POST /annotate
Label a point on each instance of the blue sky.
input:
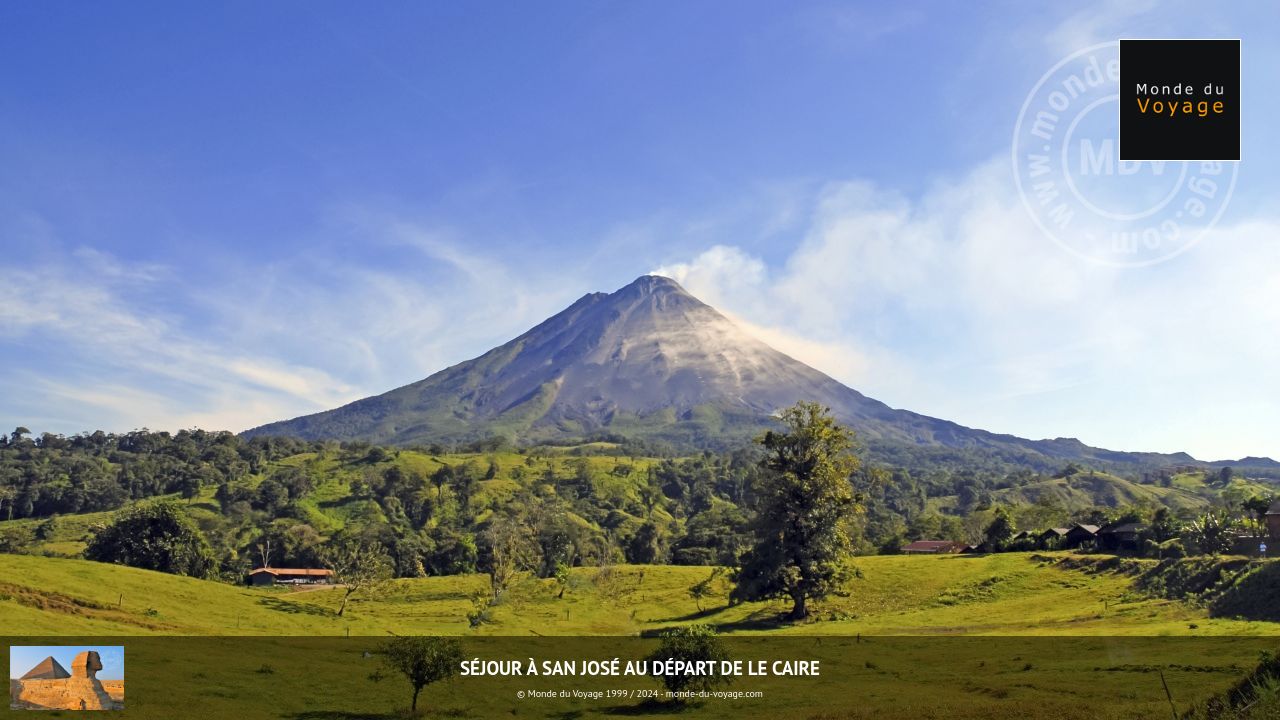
(24, 657)
(232, 214)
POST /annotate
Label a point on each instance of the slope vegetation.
(1010, 594)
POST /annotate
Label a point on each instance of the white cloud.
(952, 304)
(956, 305)
(88, 317)
(111, 344)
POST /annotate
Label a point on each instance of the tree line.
(709, 509)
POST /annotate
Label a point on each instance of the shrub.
(1174, 548)
(153, 536)
(692, 643)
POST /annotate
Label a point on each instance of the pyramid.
(47, 669)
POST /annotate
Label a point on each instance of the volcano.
(652, 362)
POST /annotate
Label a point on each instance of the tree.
(508, 550)
(1257, 507)
(1225, 475)
(153, 536)
(423, 660)
(441, 477)
(649, 545)
(1211, 533)
(702, 588)
(998, 534)
(1164, 526)
(7, 495)
(289, 543)
(359, 566)
(691, 643)
(651, 497)
(805, 503)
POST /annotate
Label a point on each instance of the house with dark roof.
(1080, 534)
(934, 547)
(1121, 536)
(1052, 538)
(1273, 520)
(290, 576)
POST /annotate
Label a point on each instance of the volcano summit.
(649, 361)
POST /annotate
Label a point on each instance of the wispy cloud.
(119, 345)
(90, 319)
(956, 305)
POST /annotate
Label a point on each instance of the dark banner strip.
(305, 678)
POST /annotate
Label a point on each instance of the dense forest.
(439, 510)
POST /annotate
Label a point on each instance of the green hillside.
(333, 501)
(1087, 488)
(420, 504)
(1008, 594)
(1111, 632)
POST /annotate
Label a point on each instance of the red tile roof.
(931, 545)
(292, 571)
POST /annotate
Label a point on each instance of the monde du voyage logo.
(1124, 152)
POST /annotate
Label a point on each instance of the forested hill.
(431, 508)
(53, 474)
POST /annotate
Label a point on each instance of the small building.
(1124, 536)
(1273, 520)
(1052, 538)
(290, 576)
(1079, 535)
(934, 547)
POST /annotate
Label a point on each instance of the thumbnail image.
(39, 678)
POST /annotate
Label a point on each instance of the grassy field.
(1013, 635)
(1028, 635)
(1008, 594)
(895, 678)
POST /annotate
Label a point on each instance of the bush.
(1251, 594)
(1150, 548)
(1174, 548)
(691, 643)
(153, 536)
(1169, 549)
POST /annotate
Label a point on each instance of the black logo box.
(1155, 74)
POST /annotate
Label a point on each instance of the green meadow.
(1035, 635)
(1003, 594)
(1009, 635)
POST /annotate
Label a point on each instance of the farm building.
(1124, 536)
(290, 576)
(1079, 535)
(1051, 538)
(934, 547)
(1273, 520)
